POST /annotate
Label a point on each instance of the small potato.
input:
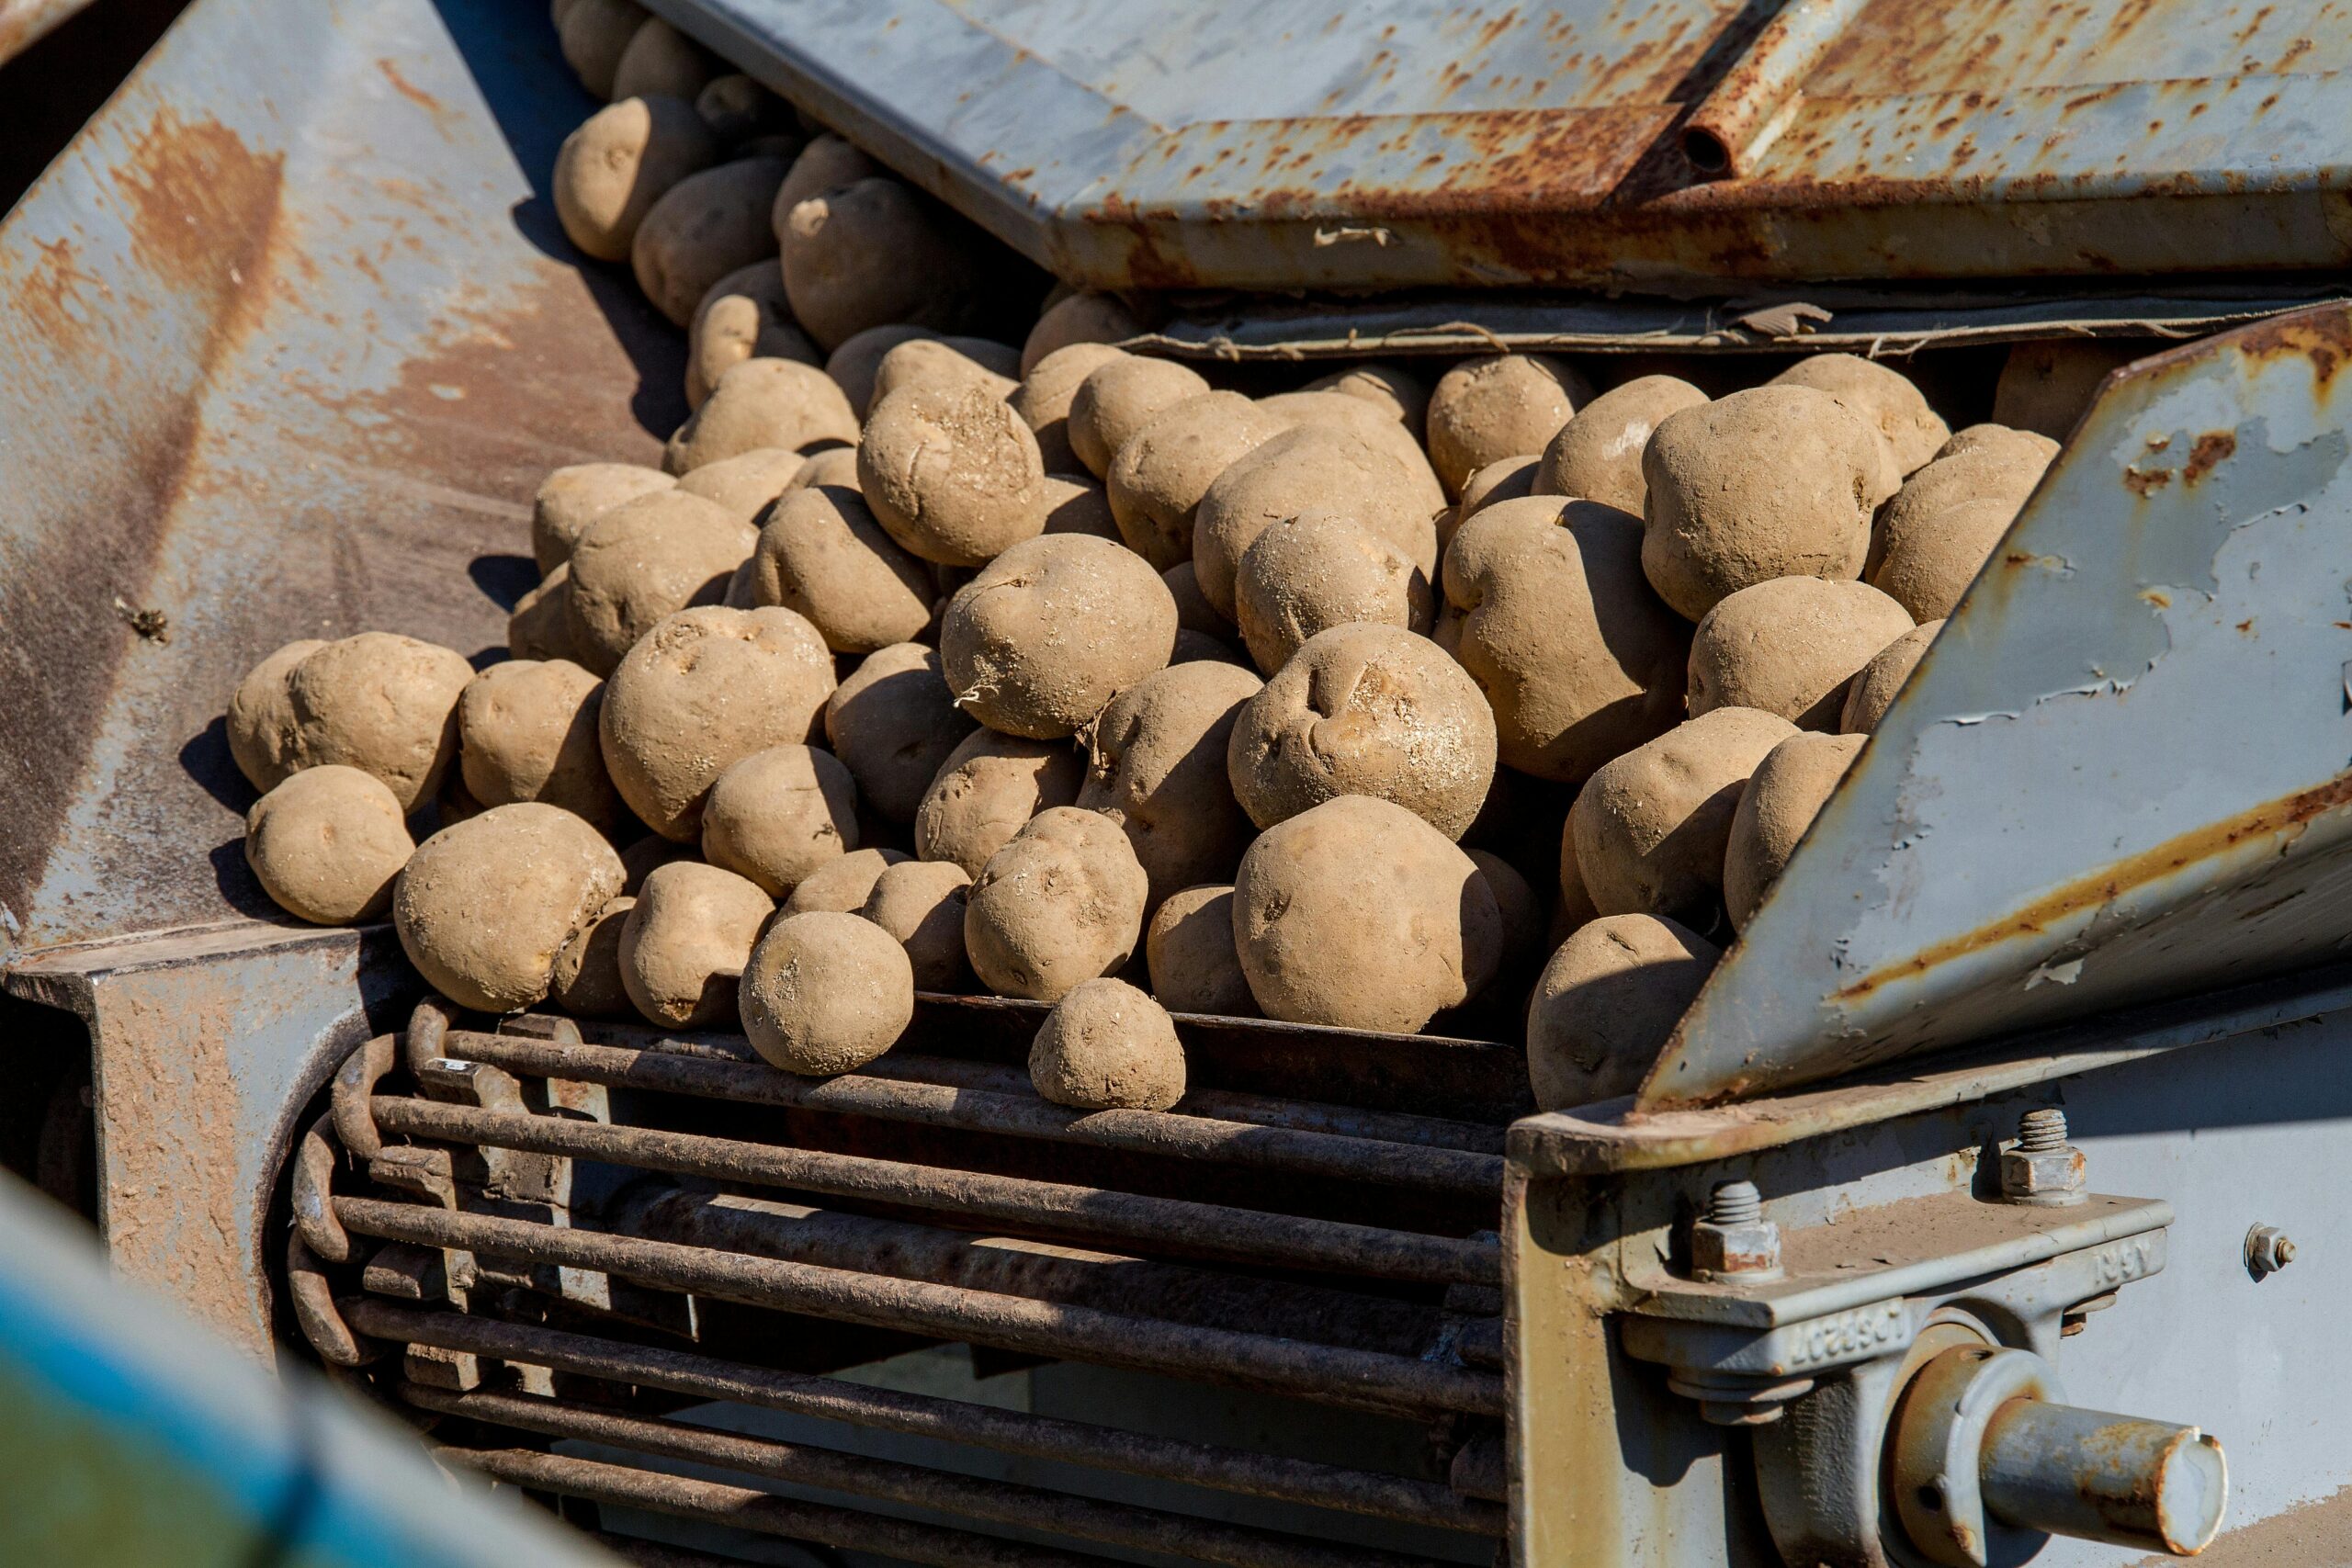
(921, 904)
(1782, 797)
(1190, 952)
(2046, 387)
(1789, 646)
(483, 907)
(842, 886)
(987, 788)
(1575, 907)
(539, 626)
(749, 483)
(1504, 405)
(587, 979)
(893, 723)
(874, 252)
(594, 35)
(640, 860)
(383, 704)
(326, 843)
(1075, 504)
(1046, 389)
(704, 687)
(2025, 444)
(1118, 398)
(1400, 395)
(661, 62)
(1156, 766)
(1775, 481)
(261, 724)
(1358, 914)
(1311, 467)
(1306, 574)
(1075, 319)
(705, 227)
(645, 559)
(1598, 454)
(1873, 691)
(738, 109)
(952, 473)
(526, 730)
(776, 815)
(827, 164)
(1107, 1046)
(1650, 828)
(1928, 568)
(1042, 638)
(1158, 476)
(822, 553)
(1884, 398)
(1193, 612)
(858, 360)
(762, 403)
(684, 943)
(1354, 416)
(1062, 902)
(570, 497)
(1512, 479)
(1607, 1004)
(625, 158)
(743, 316)
(941, 362)
(825, 993)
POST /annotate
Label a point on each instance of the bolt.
(1733, 1239)
(2043, 1170)
(1735, 1204)
(2267, 1250)
(2039, 1132)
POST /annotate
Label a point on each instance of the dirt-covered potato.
(1606, 1005)
(709, 224)
(825, 993)
(1509, 479)
(539, 626)
(2026, 443)
(1194, 611)
(1873, 691)
(1107, 1046)
(1046, 391)
(1074, 319)
(1784, 795)
(1504, 405)
(326, 843)
(704, 687)
(893, 723)
(1158, 476)
(1354, 416)
(952, 473)
(987, 788)
(843, 884)
(587, 978)
(1650, 828)
(762, 403)
(1306, 574)
(1075, 504)
(1928, 567)
(645, 559)
(640, 860)
(1042, 638)
(483, 907)
(826, 163)
(2046, 387)
(594, 35)
(526, 730)
(1311, 467)
(875, 251)
(1189, 950)
(748, 482)
(1775, 481)
(384, 703)
(738, 109)
(1396, 392)
(743, 316)
(1598, 454)
(1358, 914)
(1789, 646)
(1575, 907)
(1062, 902)
(261, 723)
(1517, 909)
(684, 943)
(822, 553)
(921, 904)
(941, 362)
(661, 62)
(775, 815)
(570, 497)
(622, 160)
(1118, 398)
(855, 362)
(1156, 766)
(1367, 710)
(2002, 470)
(1884, 398)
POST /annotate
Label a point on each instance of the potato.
(1046, 391)
(705, 227)
(1606, 1005)
(1189, 950)
(952, 473)
(594, 35)
(763, 403)
(326, 843)
(1062, 902)
(1158, 475)
(570, 497)
(661, 62)
(941, 362)
(822, 553)
(539, 626)
(738, 109)
(1306, 574)
(987, 788)
(1078, 319)
(1650, 828)
(1395, 392)
(1884, 398)
(1518, 912)
(1075, 504)
(776, 815)
(2005, 471)
(1597, 455)
(1042, 638)
(827, 164)
(482, 907)
(1194, 611)
(527, 731)
(1510, 478)
(1107, 1046)
(685, 940)
(1784, 795)
(261, 723)
(586, 982)
(383, 704)
(1358, 914)
(1873, 691)
(622, 160)
(874, 252)
(921, 904)
(704, 687)
(1577, 657)
(842, 885)
(638, 860)
(1775, 481)
(2046, 387)
(1927, 569)
(893, 723)
(1504, 405)
(1309, 468)
(1156, 766)
(1575, 908)
(1118, 398)
(825, 993)
(743, 316)
(749, 483)
(2020, 443)
(1789, 646)
(645, 559)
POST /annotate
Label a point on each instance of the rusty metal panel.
(2120, 772)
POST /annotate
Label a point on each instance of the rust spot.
(410, 90)
(2142, 482)
(2211, 448)
(2246, 626)
(2157, 596)
(2322, 334)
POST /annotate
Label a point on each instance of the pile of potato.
(926, 662)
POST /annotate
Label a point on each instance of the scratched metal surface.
(1307, 143)
(289, 337)
(2121, 772)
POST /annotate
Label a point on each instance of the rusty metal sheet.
(2120, 772)
(1293, 144)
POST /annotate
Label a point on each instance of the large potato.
(2000, 439)
(684, 943)
(987, 788)
(570, 497)
(383, 704)
(743, 316)
(1504, 405)
(624, 159)
(526, 730)
(776, 815)
(1354, 416)
(1306, 574)
(893, 723)
(1651, 827)
(875, 251)
(1048, 389)
(952, 473)
(1038, 641)
(825, 993)
(762, 403)
(822, 553)
(326, 843)
(661, 62)
(263, 738)
(1789, 646)
(1358, 914)
(827, 164)
(1159, 476)
(1884, 398)
(843, 885)
(1607, 1004)
(1190, 952)
(645, 559)
(1062, 902)
(1598, 454)
(483, 907)
(1156, 767)
(921, 904)
(1107, 1046)
(1396, 392)
(1784, 795)
(1309, 468)
(938, 362)
(707, 225)
(1945, 523)
(1118, 398)
(594, 35)
(1074, 321)
(1874, 690)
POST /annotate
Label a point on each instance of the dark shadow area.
(47, 1129)
(241, 890)
(207, 760)
(504, 580)
(56, 85)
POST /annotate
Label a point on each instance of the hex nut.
(1742, 1249)
(2042, 1177)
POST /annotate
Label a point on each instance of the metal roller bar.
(985, 1500)
(1141, 1132)
(1238, 1470)
(1203, 1229)
(1353, 1379)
